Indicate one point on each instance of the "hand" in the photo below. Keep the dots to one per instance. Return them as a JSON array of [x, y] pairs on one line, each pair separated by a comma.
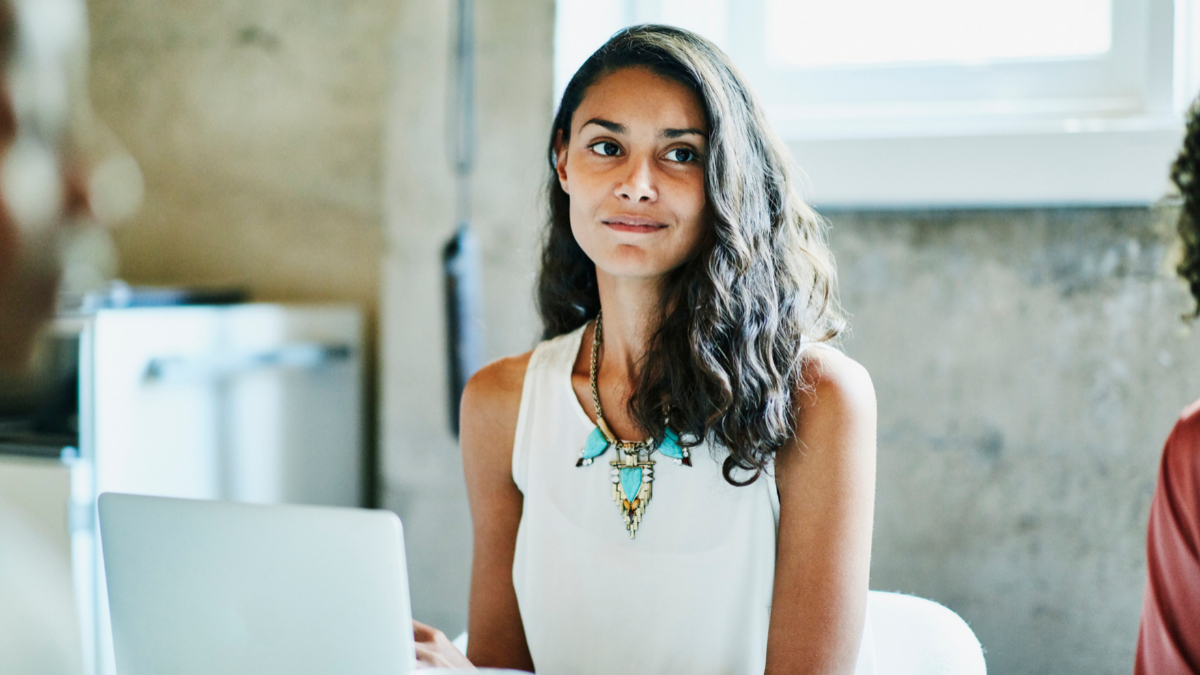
[[434, 649]]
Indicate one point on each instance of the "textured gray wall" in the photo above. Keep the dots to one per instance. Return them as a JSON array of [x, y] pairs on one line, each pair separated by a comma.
[[1029, 365], [257, 124], [421, 461]]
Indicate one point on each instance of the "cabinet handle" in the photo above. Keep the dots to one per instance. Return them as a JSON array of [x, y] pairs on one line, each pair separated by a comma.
[[298, 356]]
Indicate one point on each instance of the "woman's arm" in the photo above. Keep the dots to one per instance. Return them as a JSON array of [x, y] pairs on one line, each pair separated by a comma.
[[490, 404], [826, 480]]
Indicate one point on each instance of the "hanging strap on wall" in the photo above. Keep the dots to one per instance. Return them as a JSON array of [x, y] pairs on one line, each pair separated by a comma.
[[460, 256]]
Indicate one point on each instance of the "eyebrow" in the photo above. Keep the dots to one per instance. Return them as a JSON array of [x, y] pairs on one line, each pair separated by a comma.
[[611, 126], [676, 133], [666, 133]]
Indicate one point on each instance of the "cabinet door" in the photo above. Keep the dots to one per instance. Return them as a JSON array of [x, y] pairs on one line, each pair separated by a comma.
[[292, 415], [257, 403], [156, 434]]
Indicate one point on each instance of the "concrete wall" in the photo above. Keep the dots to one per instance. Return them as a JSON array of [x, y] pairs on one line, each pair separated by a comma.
[[422, 465], [1029, 365], [258, 126]]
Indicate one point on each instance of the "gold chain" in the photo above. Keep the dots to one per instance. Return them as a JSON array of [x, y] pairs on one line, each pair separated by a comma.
[[628, 447]]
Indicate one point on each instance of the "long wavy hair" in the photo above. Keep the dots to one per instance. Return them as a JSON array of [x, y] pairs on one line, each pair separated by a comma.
[[726, 351], [1185, 173]]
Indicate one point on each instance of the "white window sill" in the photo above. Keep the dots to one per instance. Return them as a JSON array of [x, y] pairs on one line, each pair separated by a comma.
[[1090, 162]]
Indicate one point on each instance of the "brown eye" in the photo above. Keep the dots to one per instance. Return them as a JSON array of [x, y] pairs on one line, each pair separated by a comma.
[[606, 148], [681, 155]]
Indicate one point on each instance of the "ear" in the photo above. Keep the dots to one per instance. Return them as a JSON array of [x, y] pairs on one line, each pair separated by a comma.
[[560, 160]]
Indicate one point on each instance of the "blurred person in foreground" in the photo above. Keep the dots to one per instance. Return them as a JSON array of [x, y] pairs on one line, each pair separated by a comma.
[[1169, 637], [60, 172], [54, 179]]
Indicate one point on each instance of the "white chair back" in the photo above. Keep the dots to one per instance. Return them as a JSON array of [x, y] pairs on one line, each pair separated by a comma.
[[911, 635], [915, 636]]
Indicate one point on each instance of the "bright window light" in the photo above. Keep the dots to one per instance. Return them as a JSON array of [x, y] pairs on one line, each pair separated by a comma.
[[927, 103], [820, 34]]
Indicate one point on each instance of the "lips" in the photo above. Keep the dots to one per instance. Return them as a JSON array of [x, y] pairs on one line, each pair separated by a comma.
[[633, 224]]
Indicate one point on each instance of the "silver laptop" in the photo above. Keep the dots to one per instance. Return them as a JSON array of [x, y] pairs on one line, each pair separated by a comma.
[[215, 587]]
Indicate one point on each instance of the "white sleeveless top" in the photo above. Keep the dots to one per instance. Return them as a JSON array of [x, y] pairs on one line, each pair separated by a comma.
[[691, 594]]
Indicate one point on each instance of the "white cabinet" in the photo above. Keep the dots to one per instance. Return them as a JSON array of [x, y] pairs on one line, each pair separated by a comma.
[[258, 403]]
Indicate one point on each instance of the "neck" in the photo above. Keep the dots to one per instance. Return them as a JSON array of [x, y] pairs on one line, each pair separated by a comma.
[[630, 311]]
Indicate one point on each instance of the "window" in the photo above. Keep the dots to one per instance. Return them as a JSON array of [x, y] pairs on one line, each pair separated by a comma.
[[878, 32], [901, 103]]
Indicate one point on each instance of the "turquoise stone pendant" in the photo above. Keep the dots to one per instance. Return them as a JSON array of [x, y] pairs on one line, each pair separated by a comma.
[[632, 477], [595, 446], [670, 448], [632, 480]]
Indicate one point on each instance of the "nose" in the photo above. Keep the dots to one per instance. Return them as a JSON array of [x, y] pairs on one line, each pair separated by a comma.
[[638, 184]]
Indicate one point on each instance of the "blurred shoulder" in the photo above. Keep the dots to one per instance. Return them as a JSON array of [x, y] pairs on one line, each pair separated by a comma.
[[1189, 418], [1183, 445]]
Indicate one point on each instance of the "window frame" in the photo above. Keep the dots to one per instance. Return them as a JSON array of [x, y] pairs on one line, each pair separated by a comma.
[[1094, 147]]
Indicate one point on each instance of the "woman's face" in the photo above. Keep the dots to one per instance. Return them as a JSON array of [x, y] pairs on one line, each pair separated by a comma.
[[634, 170]]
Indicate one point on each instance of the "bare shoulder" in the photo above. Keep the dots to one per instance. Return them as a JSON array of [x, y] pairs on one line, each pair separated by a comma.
[[497, 381], [836, 385], [835, 416], [492, 397]]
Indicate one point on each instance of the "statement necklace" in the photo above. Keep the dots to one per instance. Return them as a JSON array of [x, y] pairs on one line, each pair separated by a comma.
[[632, 471]]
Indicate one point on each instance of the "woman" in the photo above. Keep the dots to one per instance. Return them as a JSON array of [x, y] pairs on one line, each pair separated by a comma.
[[680, 478]]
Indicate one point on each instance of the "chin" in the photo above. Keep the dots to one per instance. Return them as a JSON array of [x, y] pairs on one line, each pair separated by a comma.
[[623, 260], [627, 271]]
